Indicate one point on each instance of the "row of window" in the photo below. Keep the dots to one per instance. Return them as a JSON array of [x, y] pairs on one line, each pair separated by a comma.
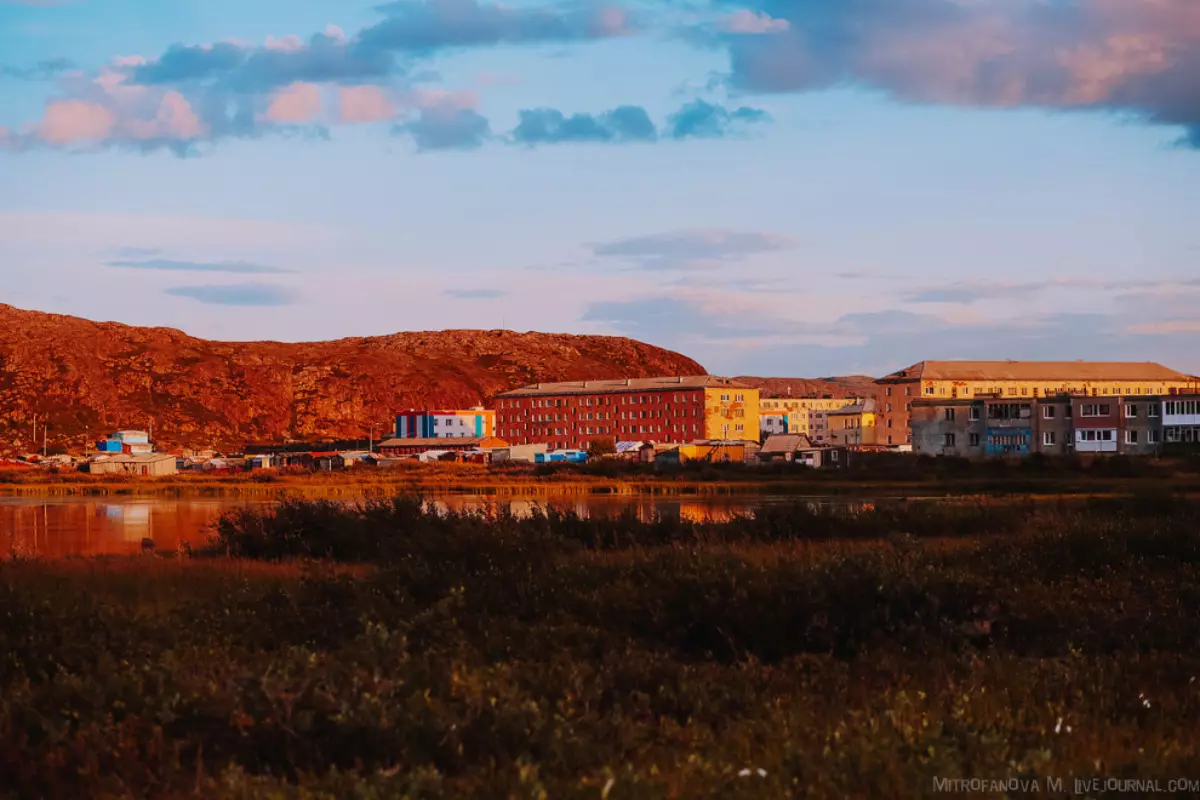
[[1182, 407], [607, 400], [1050, 438], [1025, 391]]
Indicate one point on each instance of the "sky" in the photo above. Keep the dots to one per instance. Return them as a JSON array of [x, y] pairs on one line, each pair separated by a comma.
[[772, 187]]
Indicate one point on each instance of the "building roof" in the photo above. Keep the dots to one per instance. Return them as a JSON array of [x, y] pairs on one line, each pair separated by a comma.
[[626, 385], [785, 443], [867, 406], [1037, 371]]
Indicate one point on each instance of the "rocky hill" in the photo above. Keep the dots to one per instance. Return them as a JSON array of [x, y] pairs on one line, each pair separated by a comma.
[[848, 386], [87, 378]]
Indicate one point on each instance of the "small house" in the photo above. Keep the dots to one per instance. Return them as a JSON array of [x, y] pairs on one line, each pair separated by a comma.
[[150, 465]]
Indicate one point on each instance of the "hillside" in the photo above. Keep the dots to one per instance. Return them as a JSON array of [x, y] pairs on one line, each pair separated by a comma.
[[92, 377], [848, 386]]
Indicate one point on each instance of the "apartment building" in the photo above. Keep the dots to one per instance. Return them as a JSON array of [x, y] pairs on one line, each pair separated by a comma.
[[854, 425], [804, 416], [927, 380], [995, 425], [477, 422], [673, 410]]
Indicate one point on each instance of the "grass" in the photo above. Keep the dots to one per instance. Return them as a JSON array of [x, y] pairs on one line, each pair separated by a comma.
[[375, 650]]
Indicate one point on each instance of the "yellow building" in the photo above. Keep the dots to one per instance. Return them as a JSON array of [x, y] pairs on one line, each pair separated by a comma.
[[854, 425], [964, 379], [807, 416]]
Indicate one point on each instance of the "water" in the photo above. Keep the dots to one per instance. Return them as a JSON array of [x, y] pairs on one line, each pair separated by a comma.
[[74, 526]]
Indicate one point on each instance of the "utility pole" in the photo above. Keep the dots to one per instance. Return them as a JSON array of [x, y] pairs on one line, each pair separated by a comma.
[[45, 438]]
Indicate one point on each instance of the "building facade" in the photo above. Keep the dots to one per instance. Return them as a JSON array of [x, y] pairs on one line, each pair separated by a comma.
[[1016, 380], [1181, 420], [803, 416], [478, 422], [854, 425], [994, 425], [676, 410]]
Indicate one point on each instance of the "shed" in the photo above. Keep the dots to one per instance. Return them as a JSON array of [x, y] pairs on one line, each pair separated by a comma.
[[784, 447], [149, 465]]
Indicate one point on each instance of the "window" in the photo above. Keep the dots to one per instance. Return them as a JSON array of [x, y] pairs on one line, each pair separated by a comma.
[[1131, 410], [908, 391], [949, 415], [833, 455], [948, 439], [888, 391], [1131, 437], [1049, 438], [928, 390], [1048, 412], [1152, 410], [889, 408], [973, 439], [973, 414], [724, 398], [1095, 410], [1153, 437]]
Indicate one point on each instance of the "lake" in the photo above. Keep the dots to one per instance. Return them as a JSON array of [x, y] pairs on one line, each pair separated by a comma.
[[76, 526]]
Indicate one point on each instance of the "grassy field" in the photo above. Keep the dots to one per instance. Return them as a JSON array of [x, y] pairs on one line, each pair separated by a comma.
[[377, 651], [893, 474]]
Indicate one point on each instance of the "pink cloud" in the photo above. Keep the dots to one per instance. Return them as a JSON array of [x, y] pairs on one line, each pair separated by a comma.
[[364, 104], [299, 102], [749, 23], [68, 121]]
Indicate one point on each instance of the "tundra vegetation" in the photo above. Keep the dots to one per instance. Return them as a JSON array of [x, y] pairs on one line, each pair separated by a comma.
[[380, 650]]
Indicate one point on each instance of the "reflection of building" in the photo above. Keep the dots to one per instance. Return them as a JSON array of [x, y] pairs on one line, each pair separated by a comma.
[[478, 422], [1015, 380], [571, 415]]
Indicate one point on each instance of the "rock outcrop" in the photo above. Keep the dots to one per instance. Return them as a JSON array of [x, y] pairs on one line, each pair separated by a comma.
[[87, 378]]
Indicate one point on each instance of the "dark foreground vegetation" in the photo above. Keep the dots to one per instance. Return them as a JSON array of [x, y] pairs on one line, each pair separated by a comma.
[[380, 651]]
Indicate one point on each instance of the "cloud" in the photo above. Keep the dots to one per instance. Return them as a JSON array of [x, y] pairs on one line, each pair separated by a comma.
[[47, 69], [550, 126], [241, 294], [446, 121], [749, 23], [298, 103], [1141, 58], [169, 265], [703, 120], [475, 294], [421, 26], [692, 249], [357, 104], [731, 339], [136, 252], [967, 292]]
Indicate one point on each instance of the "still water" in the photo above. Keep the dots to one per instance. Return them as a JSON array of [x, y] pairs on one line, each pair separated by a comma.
[[68, 526]]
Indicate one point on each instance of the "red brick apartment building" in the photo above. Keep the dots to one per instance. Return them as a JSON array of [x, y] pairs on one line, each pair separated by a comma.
[[678, 409]]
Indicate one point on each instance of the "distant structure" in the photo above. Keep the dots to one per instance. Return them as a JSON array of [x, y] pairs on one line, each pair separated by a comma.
[[799, 416], [953, 380], [129, 442], [571, 415], [476, 422]]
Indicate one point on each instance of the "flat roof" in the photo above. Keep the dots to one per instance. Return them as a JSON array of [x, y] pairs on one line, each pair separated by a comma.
[[623, 385], [1037, 371]]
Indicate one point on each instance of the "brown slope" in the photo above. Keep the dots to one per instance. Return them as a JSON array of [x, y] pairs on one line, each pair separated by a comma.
[[846, 386], [98, 376]]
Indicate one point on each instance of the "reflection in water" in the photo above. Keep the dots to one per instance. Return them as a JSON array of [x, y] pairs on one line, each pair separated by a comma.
[[54, 527]]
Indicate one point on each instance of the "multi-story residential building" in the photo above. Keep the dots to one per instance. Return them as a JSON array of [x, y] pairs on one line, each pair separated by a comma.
[[1018, 380], [476, 422], [676, 410], [994, 425], [1181, 420], [805, 416], [854, 425]]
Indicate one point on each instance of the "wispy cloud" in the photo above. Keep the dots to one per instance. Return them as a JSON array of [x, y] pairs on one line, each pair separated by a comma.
[[47, 69], [966, 293], [241, 294], [692, 249], [703, 120], [475, 294], [170, 265]]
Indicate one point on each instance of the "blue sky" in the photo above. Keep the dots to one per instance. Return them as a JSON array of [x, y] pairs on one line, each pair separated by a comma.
[[771, 187]]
